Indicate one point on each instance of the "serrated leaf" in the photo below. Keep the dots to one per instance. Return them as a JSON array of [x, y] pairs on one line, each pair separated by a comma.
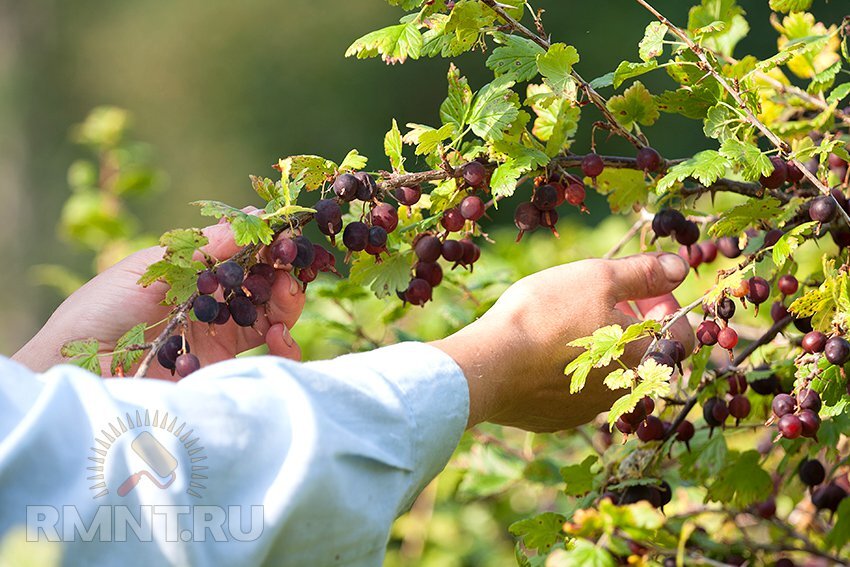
[[127, 358], [811, 302], [838, 94], [735, 27], [429, 140], [556, 66], [752, 162], [182, 281], [181, 244], [625, 188], [384, 279], [825, 79], [601, 349], [790, 5], [735, 220], [516, 58], [456, 107], [504, 179], [392, 148], [603, 81], [353, 161], [312, 170], [655, 381], [493, 109], [620, 379], [83, 353], [627, 70], [789, 242], [706, 167], [635, 106], [579, 478], [690, 102], [742, 481], [264, 187], [652, 44], [722, 123], [540, 532], [394, 44]]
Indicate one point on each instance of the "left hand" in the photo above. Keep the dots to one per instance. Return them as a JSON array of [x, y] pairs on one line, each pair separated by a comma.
[[110, 304]]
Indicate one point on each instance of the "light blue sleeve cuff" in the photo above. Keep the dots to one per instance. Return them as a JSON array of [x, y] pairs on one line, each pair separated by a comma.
[[436, 395]]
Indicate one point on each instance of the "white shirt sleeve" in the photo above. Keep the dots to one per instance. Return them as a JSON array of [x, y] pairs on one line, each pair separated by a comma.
[[254, 461]]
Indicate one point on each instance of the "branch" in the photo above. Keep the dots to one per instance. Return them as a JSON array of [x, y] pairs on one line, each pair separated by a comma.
[[706, 65], [597, 99]]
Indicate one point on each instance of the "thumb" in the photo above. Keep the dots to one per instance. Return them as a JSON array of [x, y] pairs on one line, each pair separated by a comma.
[[646, 275], [281, 343]]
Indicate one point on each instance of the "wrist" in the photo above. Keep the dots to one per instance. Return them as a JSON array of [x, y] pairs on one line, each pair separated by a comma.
[[37, 355], [482, 364]]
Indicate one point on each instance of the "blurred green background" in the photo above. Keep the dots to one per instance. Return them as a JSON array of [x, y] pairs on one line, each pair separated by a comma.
[[222, 89]]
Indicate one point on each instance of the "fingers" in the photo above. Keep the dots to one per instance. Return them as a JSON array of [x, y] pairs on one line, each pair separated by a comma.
[[644, 275], [660, 307], [281, 343], [287, 299]]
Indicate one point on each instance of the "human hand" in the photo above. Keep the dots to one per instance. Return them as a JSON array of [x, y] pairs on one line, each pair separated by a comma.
[[514, 356], [110, 304]]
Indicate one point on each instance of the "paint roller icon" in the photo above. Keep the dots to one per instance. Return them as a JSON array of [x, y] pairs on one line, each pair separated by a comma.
[[157, 458]]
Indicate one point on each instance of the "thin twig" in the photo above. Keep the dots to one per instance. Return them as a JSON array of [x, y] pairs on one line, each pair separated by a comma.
[[707, 66], [636, 228], [597, 99]]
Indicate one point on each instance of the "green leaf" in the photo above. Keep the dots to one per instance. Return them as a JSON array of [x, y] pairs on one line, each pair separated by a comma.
[[127, 358], [742, 481], [752, 162], [655, 381], [786, 6], [180, 245], [493, 109], [394, 44], [690, 102], [383, 279], [264, 187], [504, 179], [557, 120], [83, 353], [459, 101], [516, 58], [635, 106], [734, 28], [601, 348], [247, 228], [312, 170], [586, 554], [734, 221], [405, 4], [838, 94], [652, 44], [706, 460], [620, 379], [722, 122], [579, 478], [625, 188], [627, 70], [706, 167], [182, 281], [825, 79], [556, 66], [353, 161], [392, 148], [839, 535], [429, 140], [540, 532], [789, 242]]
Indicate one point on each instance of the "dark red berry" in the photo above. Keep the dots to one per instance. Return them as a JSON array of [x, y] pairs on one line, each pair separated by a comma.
[[526, 218], [729, 246], [739, 407], [472, 208], [186, 364], [809, 399], [814, 342], [778, 176], [408, 195], [812, 472], [545, 198], [766, 509], [667, 221], [783, 404], [778, 311], [707, 333], [575, 194], [810, 422], [737, 384], [283, 251], [652, 429], [689, 233], [790, 426], [727, 338], [725, 308], [837, 350], [474, 173], [453, 220], [264, 270], [692, 255], [431, 272], [346, 186], [385, 216], [452, 250], [709, 251], [207, 282], [795, 175], [592, 165], [648, 159], [685, 431], [759, 290], [418, 292], [787, 284], [823, 209]]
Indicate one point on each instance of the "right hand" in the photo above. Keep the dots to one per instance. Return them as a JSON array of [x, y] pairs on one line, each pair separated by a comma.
[[514, 356]]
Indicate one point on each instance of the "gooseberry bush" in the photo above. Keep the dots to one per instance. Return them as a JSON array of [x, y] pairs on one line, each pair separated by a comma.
[[736, 453]]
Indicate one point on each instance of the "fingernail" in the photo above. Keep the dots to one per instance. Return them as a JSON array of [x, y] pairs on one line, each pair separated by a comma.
[[294, 286], [287, 338], [675, 267]]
